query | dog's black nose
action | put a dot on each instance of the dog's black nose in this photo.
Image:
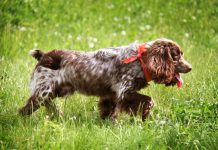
(189, 68)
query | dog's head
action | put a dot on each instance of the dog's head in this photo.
(165, 62)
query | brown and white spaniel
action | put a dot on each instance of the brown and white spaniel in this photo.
(113, 74)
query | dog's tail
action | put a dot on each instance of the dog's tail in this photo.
(37, 54)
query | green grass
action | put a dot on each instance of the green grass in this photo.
(181, 119)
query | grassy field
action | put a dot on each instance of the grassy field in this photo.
(181, 119)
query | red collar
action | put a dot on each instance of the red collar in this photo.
(141, 49)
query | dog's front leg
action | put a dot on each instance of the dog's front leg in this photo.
(116, 112)
(106, 107)
(109, 107)
(135, 103)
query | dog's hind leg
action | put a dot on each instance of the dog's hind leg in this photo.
(44, 98)
(38, 99)
(32, 105)
(60, 91)
(43, 86)
(51, 108)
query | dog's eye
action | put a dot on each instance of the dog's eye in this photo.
(176, 54)
(176, 58)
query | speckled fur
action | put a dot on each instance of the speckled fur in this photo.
(100, 73)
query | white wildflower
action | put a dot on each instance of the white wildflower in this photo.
(116, 19)
(128, 19)
(148, 27)
(149, 12)
(95, 40)
(91, 45)
(79, 38)
(35, 44)
(70, 36)
(142, 28)
(186, 35)
(193, 17)
(162, 122)
(56, 33)
(100, 19)
(23, 29)
(123, 33)
(140, 126)
(110, 6)
(184, 20)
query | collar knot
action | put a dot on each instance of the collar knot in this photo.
(141, 49)
(139, 55)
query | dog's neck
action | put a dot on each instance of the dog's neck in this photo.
(141, 56)
(143, 49)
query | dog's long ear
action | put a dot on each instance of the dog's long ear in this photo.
(160, 63)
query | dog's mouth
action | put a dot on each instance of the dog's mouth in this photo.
(176, 80)
(179, 80)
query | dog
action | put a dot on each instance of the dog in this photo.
(113, 74)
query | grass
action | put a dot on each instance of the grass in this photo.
(181, 119)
